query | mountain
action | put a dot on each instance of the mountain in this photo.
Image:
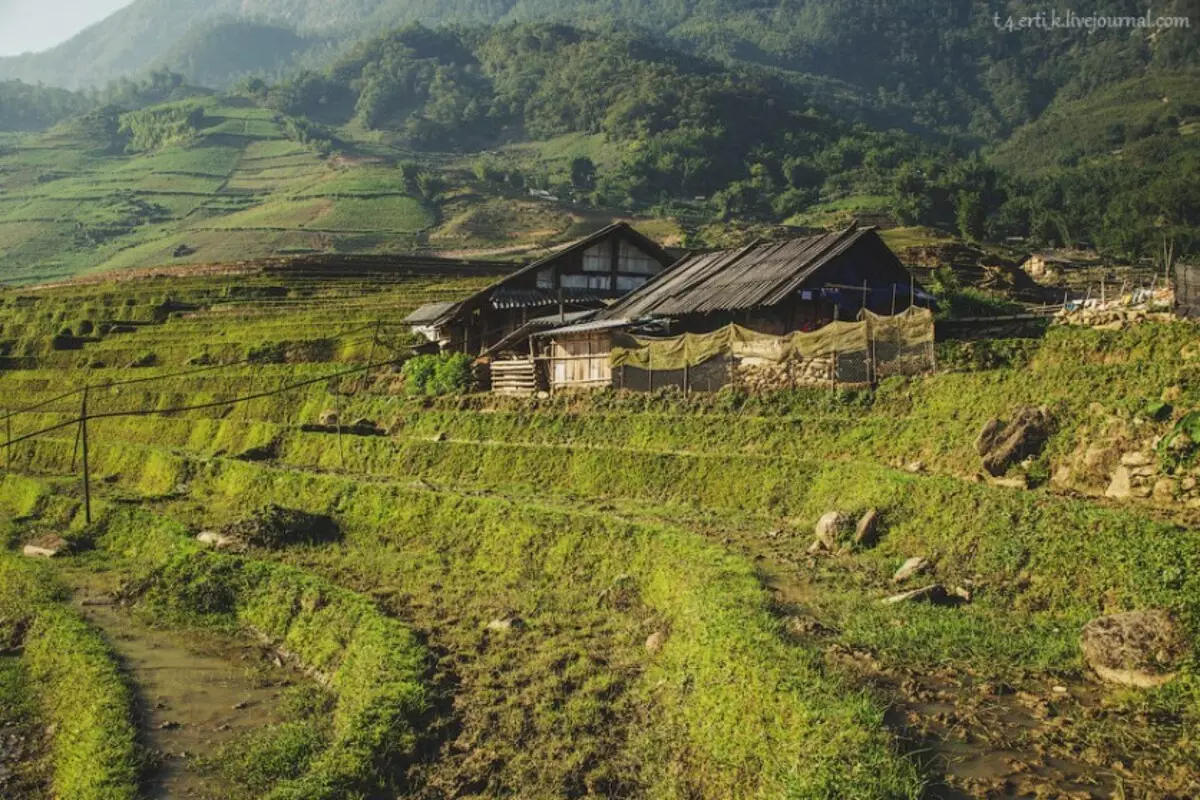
(945, 61)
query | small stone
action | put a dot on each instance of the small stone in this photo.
(169, 725)
(328, 418)
(925, 593)
(218, 541)
(1137, 458)
(914, 566)
(1187, 484)
(241, 706)
(1165, 489)
(1059, 689)
(655, 641)
(504, 624)
(867, 531)
(440, 437)
(1121, 486)
(915, 467)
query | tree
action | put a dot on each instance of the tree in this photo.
(583, 174)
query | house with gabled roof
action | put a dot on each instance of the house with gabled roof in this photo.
(586, 275)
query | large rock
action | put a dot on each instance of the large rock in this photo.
(1135, 648)
(47, 546)
(830, 528)
(1003, 444)
(867, 531)
(911, 567)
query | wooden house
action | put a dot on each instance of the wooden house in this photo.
(584, 276)
(772, 288)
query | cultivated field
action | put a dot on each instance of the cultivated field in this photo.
(580, 596)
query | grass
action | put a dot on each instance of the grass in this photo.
(80, 690)
(599, 520)
(372, 664)
(240, 190)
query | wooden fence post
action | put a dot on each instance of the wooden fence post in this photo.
(337, 409)
(87, 477)
(371, 358)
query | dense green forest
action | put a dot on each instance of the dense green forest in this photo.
(942, 65)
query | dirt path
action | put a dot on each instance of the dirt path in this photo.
(196, 692)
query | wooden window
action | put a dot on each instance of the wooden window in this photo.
(575, 281)
(598, 257)
(602, 282)
(635, 262)
(545, 279)
(627, 283)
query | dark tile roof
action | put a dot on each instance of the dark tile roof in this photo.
(532, 298)
(761, 274)
(431, 313)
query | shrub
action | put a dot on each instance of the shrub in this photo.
(432, 376)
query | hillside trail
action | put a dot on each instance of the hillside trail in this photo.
(196, 692)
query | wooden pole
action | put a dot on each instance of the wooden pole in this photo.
(893, 299)
(75, 449)
(338, 411)
(7, 442)
(370, 359)
(87, 476)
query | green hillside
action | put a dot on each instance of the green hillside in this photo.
(610, 594)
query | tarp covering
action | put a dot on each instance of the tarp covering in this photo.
(912, 327)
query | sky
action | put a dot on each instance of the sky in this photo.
(40, 24)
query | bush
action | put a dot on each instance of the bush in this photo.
(432, 376)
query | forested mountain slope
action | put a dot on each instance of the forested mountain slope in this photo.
(945, 61)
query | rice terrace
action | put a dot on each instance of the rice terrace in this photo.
(572, 400)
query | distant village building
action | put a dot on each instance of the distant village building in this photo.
(582, 277)
(1045, 266)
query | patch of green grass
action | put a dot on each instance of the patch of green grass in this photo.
(80, 689)
(373, 664)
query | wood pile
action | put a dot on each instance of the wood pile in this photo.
(516, 376)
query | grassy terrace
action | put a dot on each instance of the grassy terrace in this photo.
(596, 522)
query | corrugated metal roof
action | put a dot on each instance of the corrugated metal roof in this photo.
(533, 298)
(761, 274)
(431, 313)
(585, 327)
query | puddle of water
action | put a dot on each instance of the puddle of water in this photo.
(197, 692)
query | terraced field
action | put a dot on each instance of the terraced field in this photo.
(602, 596)
(73, 201)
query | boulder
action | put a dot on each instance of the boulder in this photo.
(914, 566)
(1134, 648)
(48, 546)
(866, 533)
(1003, 444)
(830, 527)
